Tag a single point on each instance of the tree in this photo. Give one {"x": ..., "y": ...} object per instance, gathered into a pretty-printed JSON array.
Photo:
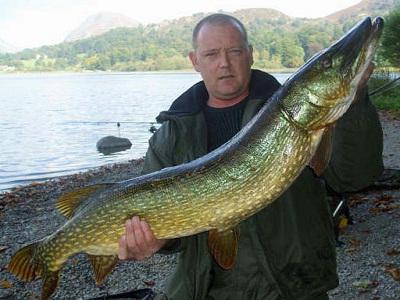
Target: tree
[
  {"x": 97, "y": 62},
  {"x": 292, "y": 54},
  {"x": 390, "y": 49}
]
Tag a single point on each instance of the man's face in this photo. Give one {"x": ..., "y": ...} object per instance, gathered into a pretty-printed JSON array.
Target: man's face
[{"x": 223, "y": 60}]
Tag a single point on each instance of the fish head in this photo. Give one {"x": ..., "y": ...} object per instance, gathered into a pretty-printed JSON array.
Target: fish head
[{"x": 322, "y": 90}]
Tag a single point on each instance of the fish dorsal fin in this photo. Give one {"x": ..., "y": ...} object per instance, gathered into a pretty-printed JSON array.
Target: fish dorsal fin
[
  {"x": 223, "y": 246},
  {"x": 102, "y": 265},
  {"x": 321, "y": 158},
  {"x": 70, "y": 201}
]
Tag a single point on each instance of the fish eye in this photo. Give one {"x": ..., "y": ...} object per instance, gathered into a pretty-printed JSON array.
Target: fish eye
[{"x": 326, "y": 63}]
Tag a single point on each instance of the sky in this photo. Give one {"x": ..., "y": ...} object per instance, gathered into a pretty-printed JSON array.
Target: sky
[{"x": 32, "y": 23}]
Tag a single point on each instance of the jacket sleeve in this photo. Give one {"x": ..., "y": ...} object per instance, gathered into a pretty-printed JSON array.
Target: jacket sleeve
[
  {"x": 356, "y": 160},
  {"x": 152, "y": 161},
  {"x": 159, "y": 152},
  {"x": 158, "y": 157}
]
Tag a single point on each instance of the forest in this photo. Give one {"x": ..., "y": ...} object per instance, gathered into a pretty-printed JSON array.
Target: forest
[{"x": 279, "y": 42}]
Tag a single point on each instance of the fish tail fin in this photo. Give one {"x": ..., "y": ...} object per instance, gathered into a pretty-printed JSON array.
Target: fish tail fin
[
  {"x": 27, "y": 266},
  {"x": 24, "y": 264}
]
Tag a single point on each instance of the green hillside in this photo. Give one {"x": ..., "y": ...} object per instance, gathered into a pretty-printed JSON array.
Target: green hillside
[{"x": 279, "y": 41}]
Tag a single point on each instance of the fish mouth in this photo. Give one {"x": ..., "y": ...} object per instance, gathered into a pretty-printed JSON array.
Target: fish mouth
[
  {"x": 354, "y": 50},
  {"x": 357, "y": 48},
  {"x": 350, "y": 45}
]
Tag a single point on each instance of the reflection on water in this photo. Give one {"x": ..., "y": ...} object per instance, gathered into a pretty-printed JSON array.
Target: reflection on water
[
  {"x": 112, "y": 150},
  {"x": 50, "y": 123}
]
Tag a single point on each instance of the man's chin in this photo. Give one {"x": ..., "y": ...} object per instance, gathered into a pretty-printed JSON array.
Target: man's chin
[
  {"x": 228, "y": 91},
  {"x": 229, "y": 95}
]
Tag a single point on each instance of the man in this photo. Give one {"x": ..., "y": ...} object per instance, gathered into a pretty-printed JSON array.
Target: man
[{"x": 287, "y": 250}]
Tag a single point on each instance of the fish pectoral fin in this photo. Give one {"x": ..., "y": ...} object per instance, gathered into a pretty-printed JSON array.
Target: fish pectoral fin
[
  {"x": 50, "y": 283},
  {"x": 223, "y": 246},
  {"x": 321, "y": 158},
  {"x": 102, "y": 266},
  {"x": 70, "y": 201}
]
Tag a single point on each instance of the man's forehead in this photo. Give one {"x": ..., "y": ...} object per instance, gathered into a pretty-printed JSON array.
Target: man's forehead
[
  {"x": 211, "y": 34},
  {"x": 213, "y": 29}
]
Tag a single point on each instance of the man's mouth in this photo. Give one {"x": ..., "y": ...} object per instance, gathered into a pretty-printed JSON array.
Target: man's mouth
[{"x": 225, "y": 77}]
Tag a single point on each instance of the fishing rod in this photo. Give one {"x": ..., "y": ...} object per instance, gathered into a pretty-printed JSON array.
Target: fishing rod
[{"x": 384, "y": 88}]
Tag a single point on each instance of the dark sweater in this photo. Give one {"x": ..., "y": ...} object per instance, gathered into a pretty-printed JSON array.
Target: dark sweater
[{"x": 223, "y": 123}]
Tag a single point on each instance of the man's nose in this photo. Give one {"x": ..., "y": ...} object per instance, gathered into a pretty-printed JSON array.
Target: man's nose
[{"x": 224, "y": 60}]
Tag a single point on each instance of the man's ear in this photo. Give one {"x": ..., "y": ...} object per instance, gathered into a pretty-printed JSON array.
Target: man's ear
[
  {"x": 251, "y": 55},
  {"x": 193, "y": 59}
]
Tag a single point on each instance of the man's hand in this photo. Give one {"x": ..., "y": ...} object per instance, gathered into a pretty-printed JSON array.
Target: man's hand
[{"x": 139, "y": 241}]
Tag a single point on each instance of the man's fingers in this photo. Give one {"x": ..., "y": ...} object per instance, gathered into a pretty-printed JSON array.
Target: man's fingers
[
  {"x": 136, "y": 244},
  {"x": 130, "y": 238},
  {"x": 140, "y": 240},
  {"x": 153, "y": 243},
  {"x": 149, "y": 236}
]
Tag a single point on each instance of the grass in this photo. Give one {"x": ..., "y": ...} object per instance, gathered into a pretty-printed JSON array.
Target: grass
[{"x": 389, "y": 98}]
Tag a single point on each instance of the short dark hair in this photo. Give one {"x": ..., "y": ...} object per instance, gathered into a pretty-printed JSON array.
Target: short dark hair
[{"x": 219, "y": 19}]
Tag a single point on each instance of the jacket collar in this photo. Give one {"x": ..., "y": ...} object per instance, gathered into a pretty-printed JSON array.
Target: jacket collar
[{"x": 193, "y": 100}]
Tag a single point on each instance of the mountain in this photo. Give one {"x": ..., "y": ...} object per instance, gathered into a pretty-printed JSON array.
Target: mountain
[
  {"x": 250, "y": 15},
  {"x": 365, "y": 8},
  {"x": 98, "y": 24},
  {"x": 279, "y": 41},
  {"x": 6, "y": 47}
]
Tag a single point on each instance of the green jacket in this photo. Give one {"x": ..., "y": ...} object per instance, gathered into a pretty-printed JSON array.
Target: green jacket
[
  {"x": 356, "y": 160},
  {"x": 286, "y": 251}
]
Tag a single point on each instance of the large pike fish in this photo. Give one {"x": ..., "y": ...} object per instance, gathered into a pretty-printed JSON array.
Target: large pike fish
[{"x": 217, "y": 191}]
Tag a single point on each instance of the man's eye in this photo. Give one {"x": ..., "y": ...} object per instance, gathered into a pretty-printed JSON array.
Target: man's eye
[
  {"x": 210, "y": 54},
  {"x": 235, "y": 51}
]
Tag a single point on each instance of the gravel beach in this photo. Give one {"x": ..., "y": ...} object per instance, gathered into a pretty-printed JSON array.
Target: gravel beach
[{"x": 368, "y": 260}]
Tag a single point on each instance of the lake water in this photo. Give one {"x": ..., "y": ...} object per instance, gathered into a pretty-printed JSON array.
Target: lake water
[{"x": 50, "y": 123}]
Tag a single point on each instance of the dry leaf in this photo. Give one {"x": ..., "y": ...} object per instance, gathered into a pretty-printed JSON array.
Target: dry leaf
[
  {"x": 5, "y": 284},
  {"x": 385, "y": 208},
  {"x": 394, "y": 271},
  {"x": 384, "y": 203},
  {"x": 365, "y": 285},
  {"x": 149, "y": 282},
  {"x": 343, "y": 223},
  {"x": 393, "y": 252},
  {"x": 354, "y": 201},
  {"x": 383, "y": 198},
  {"x": 74, "y": 261},
  {"x": 354, "y": 244}
]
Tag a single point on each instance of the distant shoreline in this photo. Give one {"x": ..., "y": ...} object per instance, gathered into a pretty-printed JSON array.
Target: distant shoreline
[{"x": 185, "y": 71}]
